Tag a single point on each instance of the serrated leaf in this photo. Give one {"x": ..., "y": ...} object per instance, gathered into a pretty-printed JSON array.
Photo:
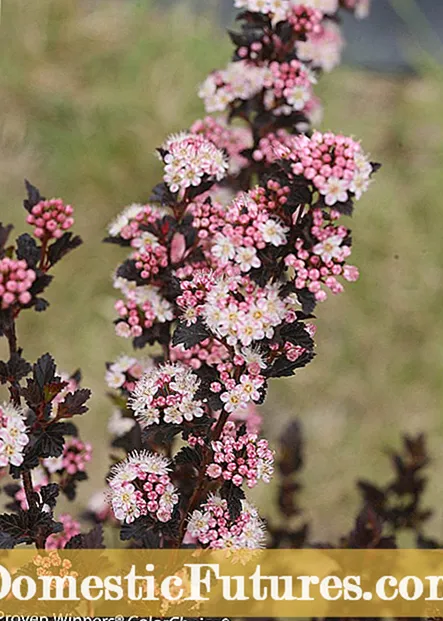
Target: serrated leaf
[
  {"x": 137, "y": 529},
  {"x": 34, "y": 196},
  {"x": 44, "y": 370},
  {"x": 191, "y": 335},
  {"x": 88, "y": 541},
  {"x": 74, "y": 403},
  {"x": 62, "y": 246},
  {"x": 28, "y": 250},
  {"x": 49, "y": 494},
  {"x": 189, "y": 455}
]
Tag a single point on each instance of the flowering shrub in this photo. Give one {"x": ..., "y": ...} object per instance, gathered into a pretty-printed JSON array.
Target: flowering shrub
[
  {"x": 227, "y": 261},
  {"x": 226, "y": 264}
]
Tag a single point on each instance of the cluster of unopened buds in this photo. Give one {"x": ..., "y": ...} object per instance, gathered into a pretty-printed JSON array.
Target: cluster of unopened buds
[
  {"x": 132, "y": 222},
  {"x": 13, "y": 435},
  {"x": 240, "y": 457},
  {"x": 51, "y": 218},
  {"x": 168, "y": 394},
  {"x": 212, "y": 526},
  {"x": 191, "y": 159},
  {"x": 207, "y": 214},
  {"x": 140, "y": 486},
  {"x": 143, "y": 306},
  {"x": 16, "y": 280},
  {"x": 335, "y": 164},
  {"x": 305, "y": 20},
  {"x": 288, "y": 87},
  {"x": 71, "y": 528},
  {"x": 323, "y": 262},
  {"x": 75, "y": 457},
  {"x": 209, "y": 352}
]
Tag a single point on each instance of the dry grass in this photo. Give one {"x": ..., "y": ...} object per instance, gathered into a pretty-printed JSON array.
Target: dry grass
[{"x": 86, "y": 96}]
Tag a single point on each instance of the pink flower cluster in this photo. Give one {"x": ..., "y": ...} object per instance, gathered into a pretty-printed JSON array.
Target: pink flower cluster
[
  {"x": 213, "y": 526},
  {"x": 305, "y": 20},
  {"x": 275, "y": 146},
  {"x": 335, "y": 164},
  {"x": 195, "y": 285},
  {"x": 323, "y": 49},
  {"x": 322, "y": 263},
  {"x": 131, "y": 224},
  {"x": 16, "y": 279},
  {"x": 248, "y": 228},
  {"x": 51, "y": 219},
  {"x": 189, "y": 160},
  {"x": 288, "y": 87},
  {"x": 143, "y": 306},
  {"x": 141, "y": 485},
  {"x": 167, "y": 393},
  {"x": 241, "y": 458},
  {"x": 229, "y": 138},
  {"x": 208, "y": 352},
  {"x": 151, "y": 256},
  {"x": 13, "y": 435},
  {"x": 75, "y": 457},
  {"x": 207, "y": 215},
  {"x": 71, "y": 528},
  {"x": 240, "y": 80}
]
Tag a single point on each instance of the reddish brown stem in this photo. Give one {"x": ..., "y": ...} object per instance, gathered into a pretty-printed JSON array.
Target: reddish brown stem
[
  {"x": 200, "y": 486},
  {"x": 14, "y": 389}
]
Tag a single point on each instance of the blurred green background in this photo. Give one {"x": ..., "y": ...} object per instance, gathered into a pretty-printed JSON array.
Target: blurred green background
[{"x": 89, "y": 89}]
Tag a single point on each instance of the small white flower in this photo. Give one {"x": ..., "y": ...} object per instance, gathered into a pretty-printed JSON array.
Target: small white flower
[
  {"x": 114, "y": 378},
  {"x": 273, "y": 232},
  {"x": 223, "y": 249},
  {"x": 246, "y": 257},
  {"x": 330, "y": 249},
  {"x": 335, "y": 191}
]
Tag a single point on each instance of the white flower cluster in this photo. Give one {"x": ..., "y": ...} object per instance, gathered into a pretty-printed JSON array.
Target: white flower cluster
[
  {"x": 212, "y": 526},
  {"x": 124, "y": 218},
  {"x": 190, "y": 157},
  {"x": 13, "y": 435},
  {"x": 141, "y": 485},
  {"x": 166, "y": 393},
  {"x": 244, "y": 322},
  {"x": 240, "y": 80},
  {"x": 323, "y": 50}
]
